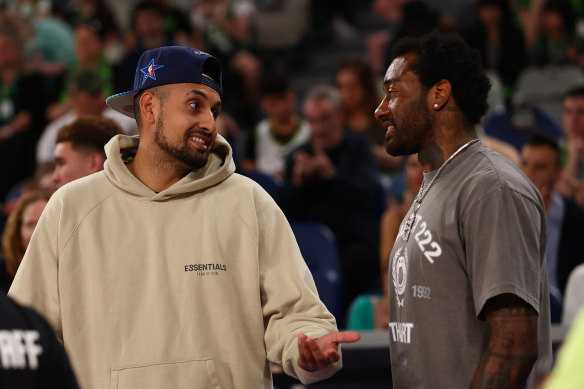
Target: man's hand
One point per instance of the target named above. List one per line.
(315, 354)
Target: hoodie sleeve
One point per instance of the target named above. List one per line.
(36, 281)
(290, 301)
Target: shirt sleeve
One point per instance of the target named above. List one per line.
(290, 302)
(504, 250)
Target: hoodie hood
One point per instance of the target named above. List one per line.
(122, 148)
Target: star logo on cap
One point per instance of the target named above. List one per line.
(150, 71)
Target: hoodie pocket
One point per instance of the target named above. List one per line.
(198, 374)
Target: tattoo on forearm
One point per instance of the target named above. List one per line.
(512, 347)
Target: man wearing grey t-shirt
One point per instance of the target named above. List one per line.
(469, 300)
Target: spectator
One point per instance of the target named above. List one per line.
(280, 132)
(556, 40)
(22, 106)
(89, 50)
(225, 26)
(80, 148)
(541, 162)
(168, 220)
(147, 32)
(332, 180)
(571, 183)
(370, 311)
(18, 231)
(281, 30)
(391, 11)
(499, 41)
(52, 46)
(101, 16)
(505, 149)
(177, 23)
(418, 18)
(32, 357)
(398, 208)
(355, 82)
(87, 98)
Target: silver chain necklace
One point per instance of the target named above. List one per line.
(423, 192)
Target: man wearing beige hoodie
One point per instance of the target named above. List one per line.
(167, 269)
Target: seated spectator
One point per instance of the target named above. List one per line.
(281, 28)
(541, 162)
(574, 296)
(177, 23)
(51, 49)
(80, 148)
(280, 132)
(225, 27)
(22, 106)
(332, 180)
(228, 128)
(390, 11)
(355, 82)
(556, 39)
(499, 40)
(417, 19)
(18, 231)
(89, 54)
(32, 357)
(87, 98)
(147, 32)
(571, 183)
(100, 12)
(371, 311)
(503, 148)
(398, 208)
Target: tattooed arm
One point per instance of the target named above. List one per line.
(512, 346)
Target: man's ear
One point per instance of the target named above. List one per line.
(148, 107)
(96, 161)
(439, 94)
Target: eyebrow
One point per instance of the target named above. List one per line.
(389, 81)
(198, 92)
(203, 95)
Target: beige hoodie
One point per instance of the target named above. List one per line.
(197, 286)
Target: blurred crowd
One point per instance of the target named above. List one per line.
(319, 151)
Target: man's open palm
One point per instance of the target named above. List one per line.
(315, 354)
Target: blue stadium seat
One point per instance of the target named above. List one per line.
(516, 127)
(319, 249)
(266, 181)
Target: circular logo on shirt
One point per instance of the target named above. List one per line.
(399, 274)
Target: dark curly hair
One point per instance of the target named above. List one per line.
(446, 56)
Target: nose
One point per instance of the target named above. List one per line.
(207, 121)
(382, 110)
(56, 177)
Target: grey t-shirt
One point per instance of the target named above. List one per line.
(479, 232)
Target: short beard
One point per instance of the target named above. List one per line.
(194, 160)
(421, 119)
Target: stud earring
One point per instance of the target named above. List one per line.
(435, 106)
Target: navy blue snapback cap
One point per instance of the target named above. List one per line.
(169, 65)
